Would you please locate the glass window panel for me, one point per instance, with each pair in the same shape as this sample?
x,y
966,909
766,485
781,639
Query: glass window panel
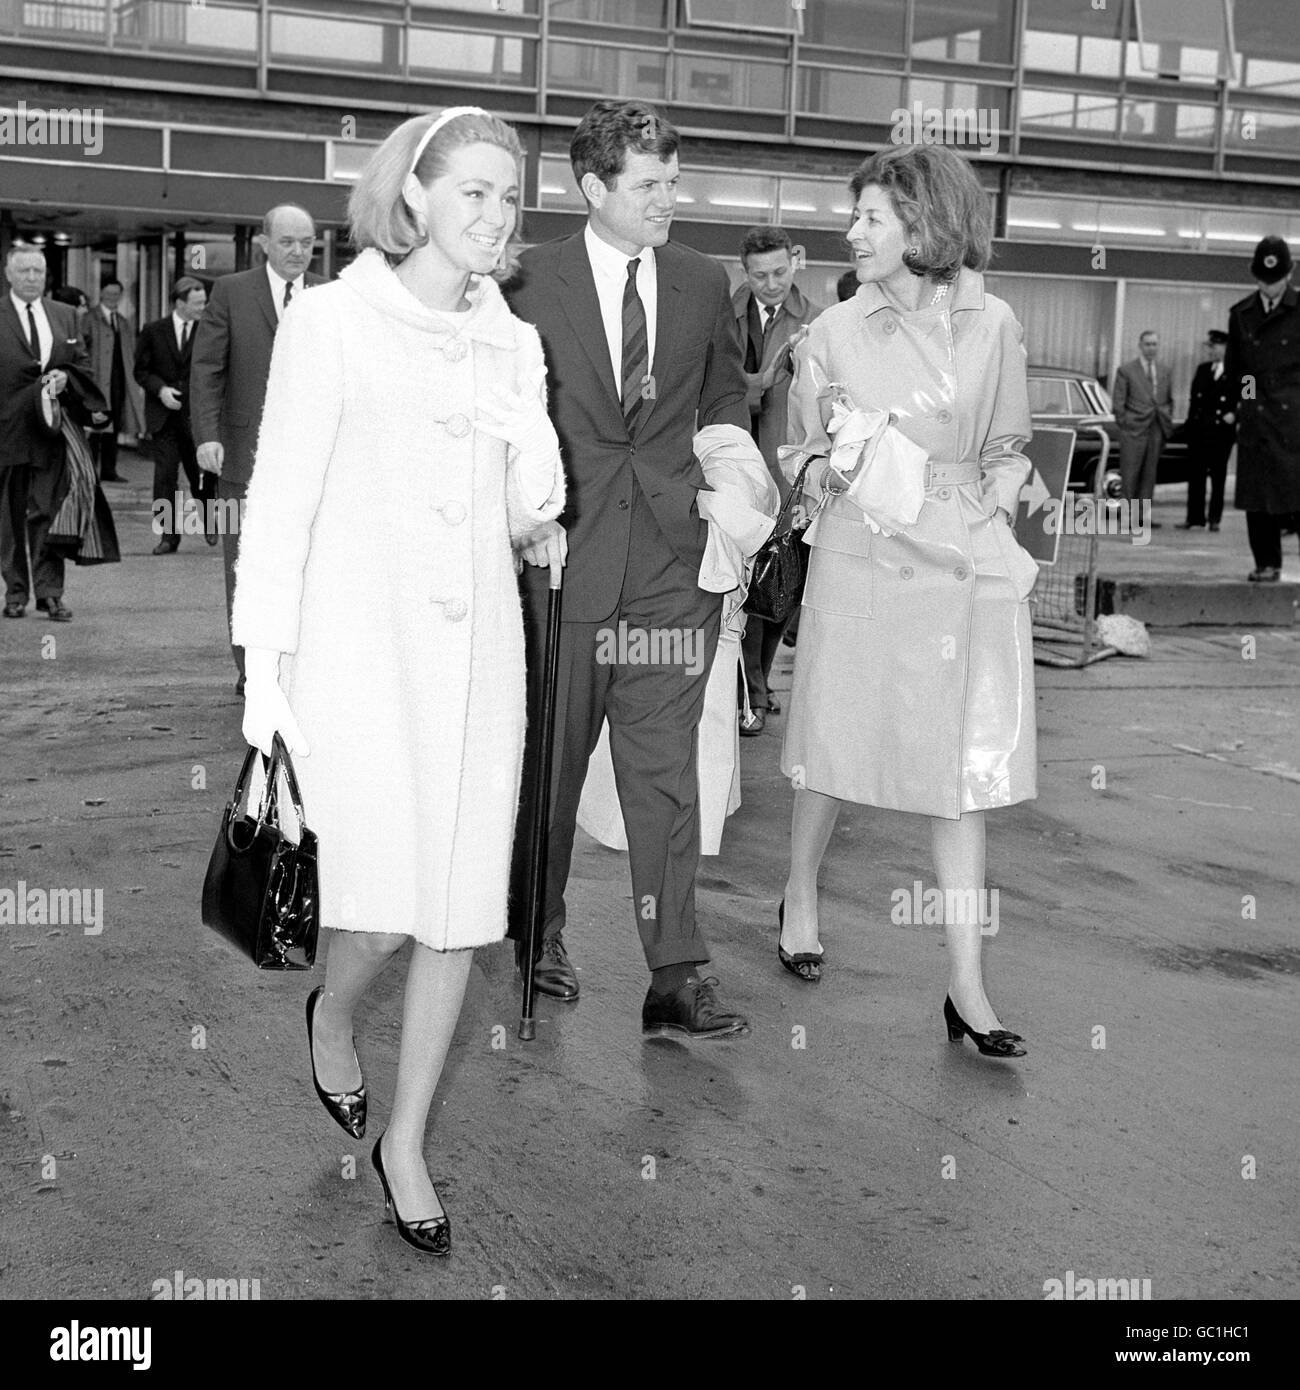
x,y
1166,123
972,113
779,15
977,31
863,26
556,190
599,69
818,202
1067,36
856,96
706,81
479,6
487,57
347,158
315,39
647,14
1078,112
219,28
1278,131
1267,38
1177,36
714,196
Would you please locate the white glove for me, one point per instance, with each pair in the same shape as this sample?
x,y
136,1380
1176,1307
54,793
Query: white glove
x,y
520,419
266,709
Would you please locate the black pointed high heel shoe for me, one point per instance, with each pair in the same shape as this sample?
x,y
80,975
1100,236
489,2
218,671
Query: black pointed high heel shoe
x,y
807,965
432,1236
998,1043
347,1107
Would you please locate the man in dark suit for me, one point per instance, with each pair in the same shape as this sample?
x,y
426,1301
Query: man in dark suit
x,y
772,313
232,360
1263,370
110,340
1211,433
1144,406
162,367
37,338
641,347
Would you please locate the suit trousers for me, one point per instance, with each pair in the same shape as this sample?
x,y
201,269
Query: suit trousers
x,y
758,650
1207,457
1264,531
173,449
26,511
229,552
1138,457
653,709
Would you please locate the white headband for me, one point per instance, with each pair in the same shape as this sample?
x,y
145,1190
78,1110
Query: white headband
x,y
449,114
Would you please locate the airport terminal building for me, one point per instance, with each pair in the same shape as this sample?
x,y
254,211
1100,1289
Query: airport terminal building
x,y
1134,150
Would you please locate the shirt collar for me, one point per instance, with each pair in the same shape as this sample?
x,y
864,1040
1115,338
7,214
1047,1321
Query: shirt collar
x,y
20,304
278,282
607,260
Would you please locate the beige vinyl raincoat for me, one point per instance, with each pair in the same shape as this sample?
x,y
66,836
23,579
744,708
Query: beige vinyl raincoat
x,y
914,682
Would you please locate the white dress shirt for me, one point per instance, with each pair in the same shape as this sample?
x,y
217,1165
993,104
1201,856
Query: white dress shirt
x,y
609,270
277,283
44,333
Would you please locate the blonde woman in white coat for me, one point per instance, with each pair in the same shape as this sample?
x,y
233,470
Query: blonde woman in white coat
x,y
405,444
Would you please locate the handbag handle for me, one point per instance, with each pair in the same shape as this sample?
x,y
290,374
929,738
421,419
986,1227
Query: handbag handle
x,y
279,759
796,490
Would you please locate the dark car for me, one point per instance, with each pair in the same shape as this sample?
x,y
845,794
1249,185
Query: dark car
x,y
1074,400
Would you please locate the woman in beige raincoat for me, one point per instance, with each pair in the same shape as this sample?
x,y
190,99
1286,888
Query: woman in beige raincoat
x,y
913,683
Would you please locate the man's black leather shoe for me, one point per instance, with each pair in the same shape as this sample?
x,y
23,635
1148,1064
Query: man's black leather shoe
x,y
692,1012
554,973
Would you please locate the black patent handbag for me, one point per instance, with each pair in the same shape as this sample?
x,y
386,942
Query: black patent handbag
x,y
777,580
262,891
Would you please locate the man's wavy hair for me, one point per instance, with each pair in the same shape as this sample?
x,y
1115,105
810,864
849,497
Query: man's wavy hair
x,y
378,214
609,130
936,195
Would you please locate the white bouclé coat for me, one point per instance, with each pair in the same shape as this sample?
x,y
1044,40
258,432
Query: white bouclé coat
x,y
376,550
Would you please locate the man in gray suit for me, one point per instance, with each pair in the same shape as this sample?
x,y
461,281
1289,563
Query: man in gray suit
x,y
1144,406
232,360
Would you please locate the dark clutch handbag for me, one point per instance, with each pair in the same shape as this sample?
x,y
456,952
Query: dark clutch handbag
x,y
776,583
262,892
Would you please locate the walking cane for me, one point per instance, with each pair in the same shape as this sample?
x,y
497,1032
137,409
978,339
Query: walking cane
x,y
541,827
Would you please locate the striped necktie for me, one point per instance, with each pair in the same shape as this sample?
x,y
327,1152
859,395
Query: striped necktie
x,y
636,349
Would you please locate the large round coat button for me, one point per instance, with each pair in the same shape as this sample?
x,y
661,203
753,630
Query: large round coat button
x,y
457,425
890,326
943,416
959,573
945,493
906,572
454,609
453,513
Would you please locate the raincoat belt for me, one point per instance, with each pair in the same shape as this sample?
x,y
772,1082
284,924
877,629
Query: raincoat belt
x,y
951,474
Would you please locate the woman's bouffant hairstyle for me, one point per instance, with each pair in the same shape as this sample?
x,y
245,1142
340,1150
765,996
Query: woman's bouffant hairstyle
x,y
378,214
937,196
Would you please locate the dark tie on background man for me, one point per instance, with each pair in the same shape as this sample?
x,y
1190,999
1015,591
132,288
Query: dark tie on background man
x,y
33,336
185,336
636,348
288,293
769,318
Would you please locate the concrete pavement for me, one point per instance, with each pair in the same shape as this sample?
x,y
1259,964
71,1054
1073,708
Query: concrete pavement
x,y
157,1112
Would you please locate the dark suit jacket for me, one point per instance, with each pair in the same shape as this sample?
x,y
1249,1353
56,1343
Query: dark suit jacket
x,y
159,363
25,438
1136,407
1263,360
230,361
697,378
1210,400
